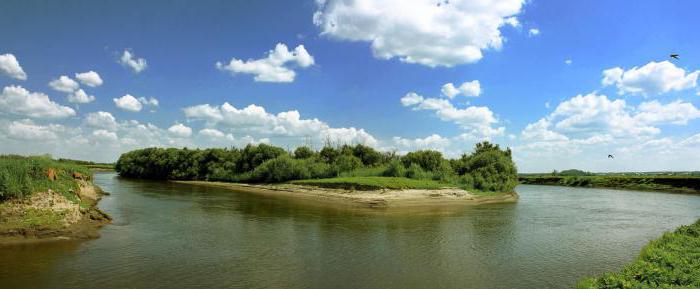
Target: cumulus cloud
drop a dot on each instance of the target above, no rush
(434, 142)
(468, 89)
(64, 84)
(19, 101)
(90, 78)
(593, 115)
(273, 68)
(10, 67)
(130, 60)
(215, 134)
(568, 62)
(180, 130)
(652, 78)
(131, 103)
(101, 119)
(28, 130)
(104, 135)
(533, 32)
(254, 118)
(128, 103)
(447, 34)
(80, 96)
(478, 120)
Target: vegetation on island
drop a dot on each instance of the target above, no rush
(488, 168)
(672, 261)
(668, 183)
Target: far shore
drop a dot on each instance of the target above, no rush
(373, 199)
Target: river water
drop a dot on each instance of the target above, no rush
(168, 235)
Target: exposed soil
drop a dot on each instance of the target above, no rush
(49, 216)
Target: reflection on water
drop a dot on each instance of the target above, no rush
(168, 235)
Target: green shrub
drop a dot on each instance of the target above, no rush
(346, 163)
(303, 153)
(395, 169)
(429, 160)
(415, 171)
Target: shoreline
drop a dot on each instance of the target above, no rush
(687, 186)
(374, 199)
(76, 222)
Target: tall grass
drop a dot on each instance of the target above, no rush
(21, 176)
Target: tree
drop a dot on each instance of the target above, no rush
(303, 152)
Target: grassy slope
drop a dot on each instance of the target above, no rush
(373, 183)
(680, 184)
(22, 176)
(672, 261)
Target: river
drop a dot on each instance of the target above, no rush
(168, 235)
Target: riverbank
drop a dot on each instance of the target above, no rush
(366, 198)
(675, 184)
(50, 216)
(668, 262)
(44, 200)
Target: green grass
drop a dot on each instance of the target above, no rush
(679, 184)
(672, 261)
(373, 183)
(21, 176)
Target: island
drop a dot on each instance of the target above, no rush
(355, 175)
(44, 199)
(674, 182)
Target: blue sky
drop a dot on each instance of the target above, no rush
(360, 60)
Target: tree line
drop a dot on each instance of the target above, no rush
(487, 168)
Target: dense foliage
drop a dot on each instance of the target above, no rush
(21, 176)
(489, 168)
(672, 261)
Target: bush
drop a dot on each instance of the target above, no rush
(491, 168)
(303, 153)
(346, 163)
(416, 172)
(395, 169)
(429, 160)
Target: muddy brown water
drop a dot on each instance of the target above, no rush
(168, 235)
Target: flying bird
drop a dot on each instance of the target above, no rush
(611, 156)
(674, 56)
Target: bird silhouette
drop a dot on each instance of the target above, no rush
(675, 56)
(611, 156)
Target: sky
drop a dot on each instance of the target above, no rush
(562, 83)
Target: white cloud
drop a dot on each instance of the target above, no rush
(568, 61)
(594, 119)
(131, 61)
(104, 135)
(9, 66)
(446, 34)
(128, 103)
(468, 89)
(131, 103)
(434, 142)
(652, 78)
(148, 101)
(180, 130)
(64, 84)
(28, 130)
(101, 119)
(533, 32)
(79, 96)
(478, 120)
(19, 101)
(90, 78)
(215, 134)
(274, 67)
(255, 119)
